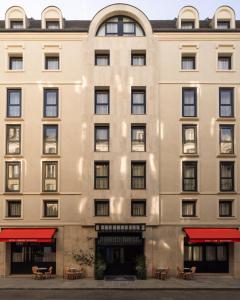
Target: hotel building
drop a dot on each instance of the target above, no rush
(120, 138)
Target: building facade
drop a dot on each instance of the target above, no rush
(120, 138)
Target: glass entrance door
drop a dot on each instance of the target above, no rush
(26, 255)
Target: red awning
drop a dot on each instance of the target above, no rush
(213, 235)
(20, 235)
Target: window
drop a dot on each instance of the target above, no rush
(189, 102)
(102, 58)
(226, 176)
(138, 208)
(226, 107)
(102, 138)
(222, 24)
(16, 24)
(138, 135)
(224, 62)
(102, 102)
(13, 208)
(120, 26)
(101, 208)
(101, 175)
(189, 169)
(50, 208)
(188, 62)
(13, 173)
(187, 25)
(193, 253)
(138, 102)
(13, 139)
(52, 62)
(52, 25)
(14, 103)
(138, 58)
(188, 208)
(16, 62)
(50, 176)
(226, 139)
(225, 208)
(189, 139)
(50, 139)
(138, 175)
(50, 103)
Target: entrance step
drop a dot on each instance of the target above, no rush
(120, 278)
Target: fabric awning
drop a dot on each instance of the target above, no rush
(21, 235)
(213, 235)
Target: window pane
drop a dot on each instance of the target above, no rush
(14, 209)
(51, 208)
(102, 60)
(225, 208)
(52, 63)
(16, 63)
(111, 28)
(138, 208)
(138, 138)
(222, 254)
(50, 139)
(210, 253)
(138, 59)
(226, 139)
(51, 103)
(101, 208)
(187, 253)
(188, 63)
(188, 208)
(101, 139)
(13, 139)
(129, 28)
(224, 63)
(197, 253)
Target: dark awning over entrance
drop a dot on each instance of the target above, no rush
(21, 235)
(212, 235)
(120, 227)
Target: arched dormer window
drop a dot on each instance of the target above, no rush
(120, 26)
(52, 18)
(15, 18)
(224, 18)
(188, 18)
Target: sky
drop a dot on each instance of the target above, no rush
(86, 9)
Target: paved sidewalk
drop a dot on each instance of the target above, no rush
(201, 282)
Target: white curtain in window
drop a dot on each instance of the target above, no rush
(224, 63)
(16, 64)
(188, 209)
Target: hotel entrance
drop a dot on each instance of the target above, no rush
(119, 246)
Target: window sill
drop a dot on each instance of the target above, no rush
(49, 193)
(46, 119)
(189, 193)
(226, 155)
(15, 71)
(47, 71)
(228, 71)
(138, 66)
(227, 192)
(189, 119)
(191, 70)
(226, 119)
(12, 193)
(190, 218)
(189, 155)
(13, 156)
(227, 218)
(15, 119)
(50, 218)
(13, 218)
(50, 156)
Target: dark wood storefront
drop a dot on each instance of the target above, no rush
(119, 245)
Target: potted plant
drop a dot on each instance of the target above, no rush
(141, 267)
(100, 267)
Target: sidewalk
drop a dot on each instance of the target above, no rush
(201, 282)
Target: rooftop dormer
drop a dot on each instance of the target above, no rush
(224, 18)
(52, 18)
(188, 18)
(15, 18)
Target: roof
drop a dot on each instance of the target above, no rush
(157, 26)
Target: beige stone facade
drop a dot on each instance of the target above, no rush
(163, 80)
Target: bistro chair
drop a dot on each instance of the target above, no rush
(190, 275)
(164, 273)
(180, 273)
(36, 274)
(48, 274)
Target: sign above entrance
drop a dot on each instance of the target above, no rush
(120, 227)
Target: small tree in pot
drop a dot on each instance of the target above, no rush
(141, 267)
(100, 267)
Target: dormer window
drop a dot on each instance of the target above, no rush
(52, 25)
(187, 25)
(223, 24)
(120, 26)
(16, 24)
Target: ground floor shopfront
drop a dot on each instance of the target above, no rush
(119, 245)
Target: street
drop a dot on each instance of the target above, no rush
(119, 294)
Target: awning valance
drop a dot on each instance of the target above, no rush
(21, 235)
(212, 235)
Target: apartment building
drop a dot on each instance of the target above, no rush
(120, 138)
